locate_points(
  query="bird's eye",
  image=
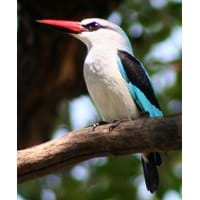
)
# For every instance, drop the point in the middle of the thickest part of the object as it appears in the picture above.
(92, 26)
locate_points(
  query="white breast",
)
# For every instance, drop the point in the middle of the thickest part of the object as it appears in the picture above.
(107, 87)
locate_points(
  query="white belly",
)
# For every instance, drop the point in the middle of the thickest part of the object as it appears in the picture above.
(108, 89)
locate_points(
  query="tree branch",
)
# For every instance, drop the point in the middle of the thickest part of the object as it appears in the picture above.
(142, 135)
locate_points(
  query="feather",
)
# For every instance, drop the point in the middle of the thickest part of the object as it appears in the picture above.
(142, 92)
(150, 163)
(139, 83)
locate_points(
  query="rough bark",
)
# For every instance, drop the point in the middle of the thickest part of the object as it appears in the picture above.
(142, 135)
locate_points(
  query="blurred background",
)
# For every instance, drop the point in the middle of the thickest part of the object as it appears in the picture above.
(53, 99)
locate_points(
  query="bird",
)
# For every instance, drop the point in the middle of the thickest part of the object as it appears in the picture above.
(117, 82)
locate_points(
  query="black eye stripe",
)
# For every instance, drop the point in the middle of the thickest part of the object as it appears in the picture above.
(93, 26)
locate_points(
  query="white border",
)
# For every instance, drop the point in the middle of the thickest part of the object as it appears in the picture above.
(8, 99)
(191, 99)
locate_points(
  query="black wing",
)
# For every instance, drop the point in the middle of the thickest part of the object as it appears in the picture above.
(137, 76)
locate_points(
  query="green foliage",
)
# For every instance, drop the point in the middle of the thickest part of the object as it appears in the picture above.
(121, 178)
(114, 179)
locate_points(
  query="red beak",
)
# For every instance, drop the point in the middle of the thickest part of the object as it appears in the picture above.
(71, 26)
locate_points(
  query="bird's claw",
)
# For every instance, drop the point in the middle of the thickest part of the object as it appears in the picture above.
(98, 124)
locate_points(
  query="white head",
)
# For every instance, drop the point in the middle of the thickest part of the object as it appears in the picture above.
(94, 32)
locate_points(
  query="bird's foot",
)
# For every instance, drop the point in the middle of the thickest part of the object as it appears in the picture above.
(98, 124)
(116, 123)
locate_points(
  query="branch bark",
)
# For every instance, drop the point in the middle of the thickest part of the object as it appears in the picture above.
(142, 135)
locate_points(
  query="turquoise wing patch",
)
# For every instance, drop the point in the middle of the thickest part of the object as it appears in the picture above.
(143, 102)
(138, 96)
